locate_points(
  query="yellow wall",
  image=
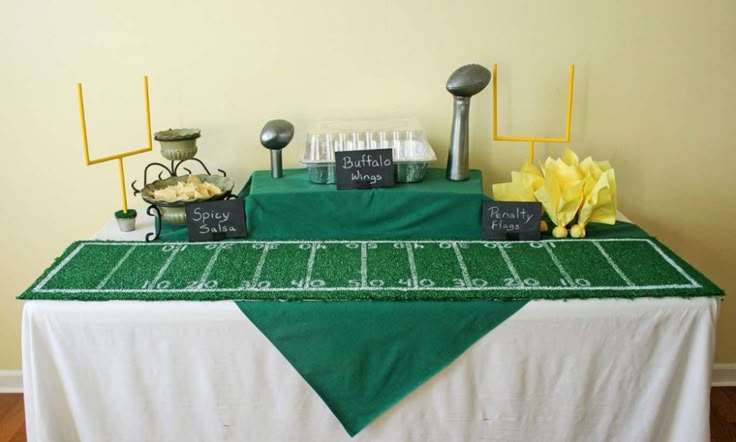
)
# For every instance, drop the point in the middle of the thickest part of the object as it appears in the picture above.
(655, 94)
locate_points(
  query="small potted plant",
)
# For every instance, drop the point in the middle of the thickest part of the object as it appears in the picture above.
(126, 219)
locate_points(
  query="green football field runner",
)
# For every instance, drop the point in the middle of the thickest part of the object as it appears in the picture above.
(369, 270)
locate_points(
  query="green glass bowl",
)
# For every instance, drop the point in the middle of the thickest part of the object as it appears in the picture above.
(178, 144)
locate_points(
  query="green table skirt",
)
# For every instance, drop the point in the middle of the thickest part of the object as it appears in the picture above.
(293, 208)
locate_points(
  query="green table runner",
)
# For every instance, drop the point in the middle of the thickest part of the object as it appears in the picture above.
(361, 358)
(371, 270)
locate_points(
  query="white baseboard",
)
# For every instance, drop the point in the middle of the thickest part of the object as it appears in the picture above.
(724, 375)
(11, 381)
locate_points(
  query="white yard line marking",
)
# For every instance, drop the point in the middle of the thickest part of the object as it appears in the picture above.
(412, 264)
(674, 264)
(613, 264)
(510, 265)
(210, 266)
(363, 265)
(398, 289)
(117, 267)
(461, 263)
(59, 267)
(166, 265)
(310, 265)
(259, 267)
(558, 264)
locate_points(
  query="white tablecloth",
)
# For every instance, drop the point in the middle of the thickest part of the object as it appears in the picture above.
(595, 370)
(581, 370)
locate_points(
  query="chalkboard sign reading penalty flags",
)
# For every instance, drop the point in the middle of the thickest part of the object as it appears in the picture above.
(216, 220)
(364, 169)
(511, 220)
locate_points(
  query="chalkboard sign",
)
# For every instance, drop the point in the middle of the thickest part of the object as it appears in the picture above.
(511, 221)
(216, 220)
(364, 169)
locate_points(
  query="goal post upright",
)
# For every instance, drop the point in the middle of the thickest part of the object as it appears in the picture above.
(531, 140)
(118, 157)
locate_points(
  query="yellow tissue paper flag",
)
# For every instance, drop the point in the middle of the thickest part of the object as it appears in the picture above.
(562, 192)
(600, 203)
(522, 185)
(569, 190)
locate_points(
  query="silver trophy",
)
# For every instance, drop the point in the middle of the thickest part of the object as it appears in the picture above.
(465, 82)
(275, 135)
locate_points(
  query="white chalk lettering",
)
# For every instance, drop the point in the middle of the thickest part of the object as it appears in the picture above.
(218, 228)
(204, 216)
(520, 213)
(366, 160)
(358, 176)
(500, 224)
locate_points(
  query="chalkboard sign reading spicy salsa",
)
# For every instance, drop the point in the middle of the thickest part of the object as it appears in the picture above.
(511, 220)
(216, 220)
(364, 169)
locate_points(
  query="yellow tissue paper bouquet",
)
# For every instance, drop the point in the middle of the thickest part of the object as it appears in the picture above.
(569, 190)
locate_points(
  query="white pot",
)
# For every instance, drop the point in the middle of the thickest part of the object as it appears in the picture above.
(126, 224)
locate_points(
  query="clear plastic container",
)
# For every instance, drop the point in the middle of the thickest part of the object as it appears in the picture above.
(405, 137)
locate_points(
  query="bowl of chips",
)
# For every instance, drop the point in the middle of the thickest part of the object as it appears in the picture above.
(172, 195)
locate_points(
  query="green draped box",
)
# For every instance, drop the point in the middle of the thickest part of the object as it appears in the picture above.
(293, 208)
